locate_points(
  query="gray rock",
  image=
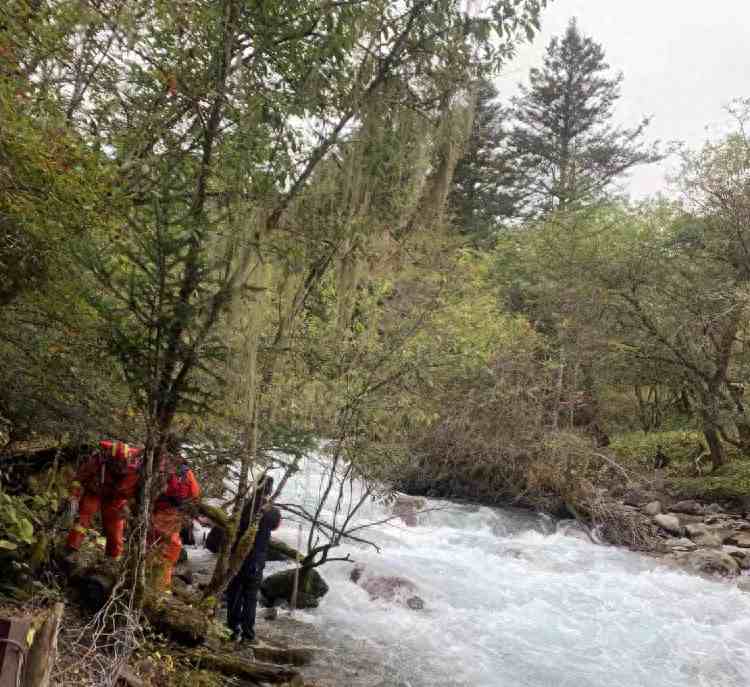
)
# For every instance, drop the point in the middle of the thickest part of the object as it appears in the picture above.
(652, 508)
(695, 529)
(407, 507)
(681, 544)
(741, 539)
(387, 587)
(637, 497)
(686, 519)
(703, 536)
(280, 587)
(742, 556)
(416, 603)
(687, 507)
(668, 522)
(712, 562)
(715, 519)
(713, 508)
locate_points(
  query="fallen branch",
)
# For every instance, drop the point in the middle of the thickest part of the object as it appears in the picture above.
(615, 465)
(243, 668)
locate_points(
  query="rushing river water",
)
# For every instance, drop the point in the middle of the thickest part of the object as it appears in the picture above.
(511, 603)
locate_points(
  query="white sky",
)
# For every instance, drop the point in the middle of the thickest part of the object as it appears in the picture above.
(683, 60)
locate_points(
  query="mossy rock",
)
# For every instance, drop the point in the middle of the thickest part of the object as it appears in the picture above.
(280, 551)
(280, 587)
(183, 623)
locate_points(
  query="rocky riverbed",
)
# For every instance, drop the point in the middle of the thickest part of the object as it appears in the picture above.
(701, 538)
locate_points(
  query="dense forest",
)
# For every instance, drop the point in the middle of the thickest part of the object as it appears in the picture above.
(259, 225)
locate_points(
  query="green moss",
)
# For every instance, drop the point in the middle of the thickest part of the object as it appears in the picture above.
(636, 451)
(639, 448)
(730, 482)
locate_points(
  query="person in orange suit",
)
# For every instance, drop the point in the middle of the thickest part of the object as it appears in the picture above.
(105, 482)
(180, 488)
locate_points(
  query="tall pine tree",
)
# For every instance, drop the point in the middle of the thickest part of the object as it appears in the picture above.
(480, 196)
(565, 149)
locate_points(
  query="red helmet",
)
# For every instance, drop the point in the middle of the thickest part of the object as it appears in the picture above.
(120, 451)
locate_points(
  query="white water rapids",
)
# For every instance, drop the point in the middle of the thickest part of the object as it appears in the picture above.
(509, 603)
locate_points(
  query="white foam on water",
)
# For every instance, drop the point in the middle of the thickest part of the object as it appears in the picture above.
(508, 605)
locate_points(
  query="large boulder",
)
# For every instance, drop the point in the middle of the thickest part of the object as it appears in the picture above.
(669, 522)
(742, 556)
(741, 539)
(652, 508)
(391, 588)
(280, 587)
(711, 562)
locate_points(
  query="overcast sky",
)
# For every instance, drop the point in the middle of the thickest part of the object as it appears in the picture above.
(683, 60)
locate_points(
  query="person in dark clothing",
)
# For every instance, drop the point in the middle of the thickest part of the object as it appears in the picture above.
(257, 499)
(242, 594)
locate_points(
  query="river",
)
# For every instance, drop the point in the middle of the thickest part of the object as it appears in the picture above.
(510, 602)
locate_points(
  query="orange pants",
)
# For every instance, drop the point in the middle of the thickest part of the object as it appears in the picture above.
(112, 522)
(164, 537)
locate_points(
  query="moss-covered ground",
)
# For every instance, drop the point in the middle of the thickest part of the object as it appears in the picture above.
(635, 451)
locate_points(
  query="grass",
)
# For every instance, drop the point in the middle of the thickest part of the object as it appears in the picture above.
(730, 482)
(636, 450)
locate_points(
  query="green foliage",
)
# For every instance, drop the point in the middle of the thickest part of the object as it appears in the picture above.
(639, 448)
(16, 522)
(730, 482)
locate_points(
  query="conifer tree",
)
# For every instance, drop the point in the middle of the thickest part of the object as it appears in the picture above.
(566, 151)
(479, 198)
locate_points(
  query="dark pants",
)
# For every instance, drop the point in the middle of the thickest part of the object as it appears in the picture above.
(242, 600)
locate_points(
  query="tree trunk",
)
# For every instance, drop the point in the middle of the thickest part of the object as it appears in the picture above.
(28, 647)
(238, 667)
(228, 562)
(656, 416)
(642, 409)
(43, 652)
(714, 445)
(559, 391)
(743, 429)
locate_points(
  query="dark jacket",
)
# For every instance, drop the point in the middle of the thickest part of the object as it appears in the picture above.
(255, 561)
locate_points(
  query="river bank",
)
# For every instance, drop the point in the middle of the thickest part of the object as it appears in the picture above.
(699, 536)
(511, 598)
(674, 508)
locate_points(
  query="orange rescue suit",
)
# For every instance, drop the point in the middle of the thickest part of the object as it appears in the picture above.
(166, 521)
(106, 481)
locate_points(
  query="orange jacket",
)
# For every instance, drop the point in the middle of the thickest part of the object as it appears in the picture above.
(181, 485)
(112, 472)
